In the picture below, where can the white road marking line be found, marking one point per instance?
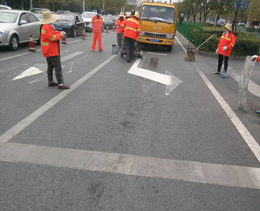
(225, 175)
(160, 54)
(18, 55)
(36, 114)
(158, 77)
(249, 139)
(29, 72)
(70, 56)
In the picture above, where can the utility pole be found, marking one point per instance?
(31, 4)
(249, 14)
(103, 4)
(83, 5)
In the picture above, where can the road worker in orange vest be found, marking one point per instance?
(119, 29)
(225, 46)
(50, 46)
(131, 32)
(97, 25)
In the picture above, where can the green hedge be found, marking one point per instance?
(246, 43)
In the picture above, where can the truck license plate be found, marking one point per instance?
(154, 40)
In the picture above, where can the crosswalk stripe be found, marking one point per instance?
(206, 173)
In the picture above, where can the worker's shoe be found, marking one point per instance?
(100, 50)
(258, 111)
(92, 49)
(216, 73)
(52, 84)
(128, 60)
(224, 75)
(63, 87)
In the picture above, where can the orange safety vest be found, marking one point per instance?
(97, 23)
(50, 41)
(119, 28)
(132, 28)
(123, 25)
(229, 42)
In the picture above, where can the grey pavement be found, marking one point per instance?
(111, 115)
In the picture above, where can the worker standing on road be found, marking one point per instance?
(51, 48)
(253, 58)
(131, 32)
(226, 44)
(119, 29)
(97, 25)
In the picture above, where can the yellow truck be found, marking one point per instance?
(158, 23)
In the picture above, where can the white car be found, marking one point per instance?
(16, 26)
(87, 18)
(3, 7)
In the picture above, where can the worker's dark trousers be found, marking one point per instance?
(54, 63)
(220, 61)
(119, 40)
(129, 47)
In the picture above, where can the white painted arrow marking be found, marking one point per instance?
(169, 80)
(29, 72)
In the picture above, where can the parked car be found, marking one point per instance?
(108, 21)
(16, 26)
(38, 10)
(62, 12)
(71, 23)
(3, 7)
(87, 18)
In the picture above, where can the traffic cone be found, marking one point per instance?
(114, 28)
(83, 34)
(31, 44)
(64, 41)
(107, 30)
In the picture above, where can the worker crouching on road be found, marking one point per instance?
(119, 29)
(50, 46)
(253, 58)
(225, 46)
(131, 32)
(97, 24)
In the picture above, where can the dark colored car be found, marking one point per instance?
(108, 21)
(71, 23)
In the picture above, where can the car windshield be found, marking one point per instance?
(88, 15)
(65, 17)
(38, 14)
(8, 17)
(158, 14)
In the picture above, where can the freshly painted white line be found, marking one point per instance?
(158, 77)
(36, 114)
(225, 175)
(18, 55)
(248, 138)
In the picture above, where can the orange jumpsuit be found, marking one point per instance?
(97, 24)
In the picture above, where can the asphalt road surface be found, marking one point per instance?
(116, 141)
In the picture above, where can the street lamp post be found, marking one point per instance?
(83, 5)
(31, 4)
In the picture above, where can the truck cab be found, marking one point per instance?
(158, 23)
